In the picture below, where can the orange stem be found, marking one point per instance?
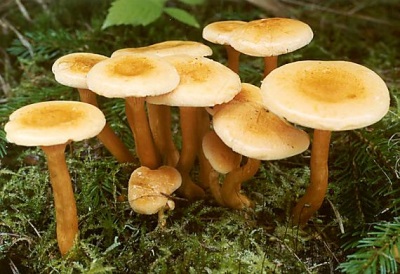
(190, 146)
(230, 190)
(64, 200)
(160, 125)
(270, 63)
(107, 136)
(233, 57)
(316, 191)
(203, 126)
(144, 143)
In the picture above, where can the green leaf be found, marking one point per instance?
(182, 16)
(133, 12)
(192, 2)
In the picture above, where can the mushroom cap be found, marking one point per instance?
(133, 75)
(71, 69)
(327, 95)
(54, 123)
(249, 129)
(203, 83)
(221, 157)
(169, 48)
(271, 37)
(248, 93)
(220, 32)
(147, 186)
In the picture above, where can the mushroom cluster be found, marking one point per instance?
(227, 127)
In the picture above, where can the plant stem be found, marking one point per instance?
(139, 124)
(270, 63)
(316, 191)
(230, 190)
(233, 57)
(190, 146)
(107, 136)
(64, 200)
(160, 125)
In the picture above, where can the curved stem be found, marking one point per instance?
(270, 63)
(160, 125)
(64, 200)
(190, 146)
(316, 191)
(107, 136)
(144, 144)
(230, 190)
(233, 58)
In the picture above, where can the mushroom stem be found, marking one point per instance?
(160, 125)
(270, 63)
(203, 126)
(107, 136)
(315, 192)
(190, 146)
(64, 200)
(144, 143)
(162, 216)
(230, 190)
(233, 57)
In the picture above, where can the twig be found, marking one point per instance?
(348, 14)
(23, 10)
(4, 23)
(13, 267)
(34, 228)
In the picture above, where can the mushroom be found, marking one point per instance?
(168, 48)
(252, 131)
(222, 160)
(269, 38)
(204, 83)
(52, 125)
(149, 190)
(326, 96)
(71, 70)
(134, 77)
(160, 115)
(219, 33)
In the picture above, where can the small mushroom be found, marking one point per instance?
(134, 77)
(52, 125)
(220, 33)
(270, 38)
(200, 86)
(258, 134)
(222, 160)
(326, 96)
(149, 190)
(71, 70)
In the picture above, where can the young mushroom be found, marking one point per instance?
(222, 160)
(134, 77)
(219, 33)
(52, 125)
(258, 134)
(204, 83)
(326, 96)
(149, 190)
(269, 38)
(71, 70)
